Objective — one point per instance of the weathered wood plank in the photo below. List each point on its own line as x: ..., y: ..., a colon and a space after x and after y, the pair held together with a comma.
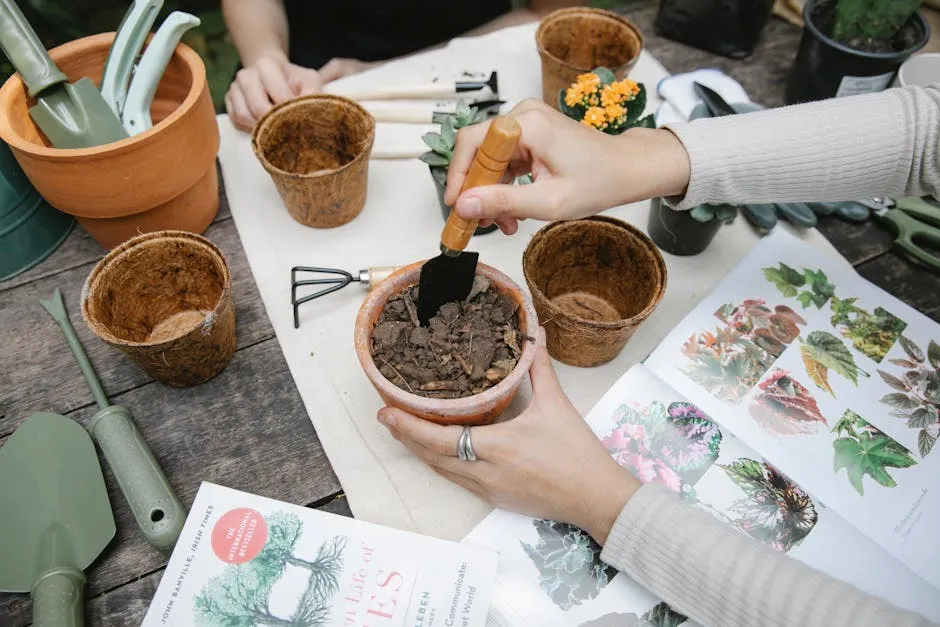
x: 79, y: 249
x: 918, y: 287
x: 857, y: 242
x: 246, y: 429
x: 37, y: 371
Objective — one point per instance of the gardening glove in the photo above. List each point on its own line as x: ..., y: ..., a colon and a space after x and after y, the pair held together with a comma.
x: 764, y: 217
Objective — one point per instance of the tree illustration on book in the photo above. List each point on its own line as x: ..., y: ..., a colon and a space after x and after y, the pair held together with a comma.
x: 862, y: 449
x: 569, y: 563
x: 784, y: 406
x: 917, y: 399
x: 240, y: 596
x: 771, y: 329
x: 774, y: 510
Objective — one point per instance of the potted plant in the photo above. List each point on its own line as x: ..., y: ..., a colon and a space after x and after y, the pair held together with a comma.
x: 730, y: 28
x: 597, y: 99
x: 853, y: 46
x: 441, y: 146
x: 687, y: 232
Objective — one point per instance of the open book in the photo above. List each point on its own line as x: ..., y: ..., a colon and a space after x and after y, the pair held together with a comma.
x: 801, y: 408
x: 243, y: 559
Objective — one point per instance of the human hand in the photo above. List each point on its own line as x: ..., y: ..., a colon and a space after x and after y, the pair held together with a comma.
x: 576, y: 170
x: 271, y: 80
x: 545, y: 463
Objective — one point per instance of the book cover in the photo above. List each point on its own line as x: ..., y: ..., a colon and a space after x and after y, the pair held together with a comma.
x: 243, y: 559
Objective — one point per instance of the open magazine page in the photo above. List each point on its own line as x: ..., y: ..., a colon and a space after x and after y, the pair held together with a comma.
x: 831, y: 378
x: 243, y: 559
x: 551, y: 574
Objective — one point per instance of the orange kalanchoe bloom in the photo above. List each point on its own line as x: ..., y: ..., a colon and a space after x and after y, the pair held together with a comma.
x: 596, y: 117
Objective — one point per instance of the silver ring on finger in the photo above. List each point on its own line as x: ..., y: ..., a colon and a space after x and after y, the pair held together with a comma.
x: 465, y: 450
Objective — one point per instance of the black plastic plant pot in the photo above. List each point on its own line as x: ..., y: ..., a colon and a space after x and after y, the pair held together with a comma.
x: 825, y: 68
x: 440, y: 182
x: 677, y: 232
x: 730, y: 28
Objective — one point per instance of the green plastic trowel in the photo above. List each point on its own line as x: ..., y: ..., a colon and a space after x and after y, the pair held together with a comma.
x: 70, y: 115
x: 157, y: 510
x: 56, y: 516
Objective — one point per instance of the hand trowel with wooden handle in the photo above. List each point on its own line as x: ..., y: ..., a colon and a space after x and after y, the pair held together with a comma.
x: 56, y: 516
x: 449, y: 276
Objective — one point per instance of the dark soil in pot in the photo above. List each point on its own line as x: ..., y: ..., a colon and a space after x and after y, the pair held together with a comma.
x: 825, y: 68
x: 466, y: 348
x: 440, y: 182
x: 677, y: 232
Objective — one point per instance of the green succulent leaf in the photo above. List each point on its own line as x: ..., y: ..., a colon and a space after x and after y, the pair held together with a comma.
x: 448, y: 132
x: 436, y: 143
x: 605, y: 75
x: 829, y: 351
x: 913, y: 350
x: 464, y: 111
x: 435, y: 160
x: 702, y: 213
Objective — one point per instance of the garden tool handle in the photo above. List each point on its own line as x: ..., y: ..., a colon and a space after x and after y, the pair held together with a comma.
x: 489, y: 165
x: 910, y: 232
x: 375, y: 275
x: 408, y: 92
x: 58, y: 598
x: 128, y: 40
x: 157, y: 510
x: 22, y: 47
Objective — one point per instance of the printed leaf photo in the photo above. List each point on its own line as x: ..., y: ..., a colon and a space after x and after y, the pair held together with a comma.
x: 771, y: 329
x: 661, y: 615
x: 809, y: 287
x: 871, y: 334
x: 862, y: 449
x: 821, y: 352
x: 569, y: 564
x: 784, y: 406
x: 917, y: 397
x: 671, y: 445
x: 775, y: 510
x: 725, y: 363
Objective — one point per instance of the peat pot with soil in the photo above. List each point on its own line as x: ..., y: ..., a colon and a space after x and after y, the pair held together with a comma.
x: 465, y: 366
x: 853, y: 46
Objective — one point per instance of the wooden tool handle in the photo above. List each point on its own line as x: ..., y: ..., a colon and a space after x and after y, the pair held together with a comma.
x: 488, y: 168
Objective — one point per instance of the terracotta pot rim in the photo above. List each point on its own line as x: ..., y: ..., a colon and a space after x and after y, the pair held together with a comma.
x: 15, y: 83
x: 557, y: 312
x: 443, y: 407
x: 303, y: 101
x: 559, y: 14
x: 116, y: 254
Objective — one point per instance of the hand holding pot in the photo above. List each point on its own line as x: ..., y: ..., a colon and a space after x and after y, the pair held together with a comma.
x: 269, y: 81
x: 546, y: 462
x: 576, y: 170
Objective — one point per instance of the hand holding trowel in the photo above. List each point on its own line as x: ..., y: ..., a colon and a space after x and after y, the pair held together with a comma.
x: 449, y: 276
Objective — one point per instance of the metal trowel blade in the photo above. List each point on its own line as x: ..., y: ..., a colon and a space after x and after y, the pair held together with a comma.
x: 444, y: 279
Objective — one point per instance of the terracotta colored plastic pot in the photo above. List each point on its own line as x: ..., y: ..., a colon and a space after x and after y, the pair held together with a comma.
x: 164, y: 299
x: 316, y: 149
x: 479, y: 409
x: 576, y: 40
x: 163, y: 178
x: 594, y: 282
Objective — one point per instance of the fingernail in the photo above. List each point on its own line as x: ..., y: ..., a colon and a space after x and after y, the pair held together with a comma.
x: 540, y: 337
x: 470, y: 207
x: 386, y: 417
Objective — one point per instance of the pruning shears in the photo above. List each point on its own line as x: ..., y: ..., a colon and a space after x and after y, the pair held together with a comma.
x: 915, y: 223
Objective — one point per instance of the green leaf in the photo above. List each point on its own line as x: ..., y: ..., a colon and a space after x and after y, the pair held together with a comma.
x: 925, y: 442
x: 806, y: 299
x: 605, y: 75
x: 893, y: 381
x: 435, y: 159
x: 636, y: 106
x: 648, y: 121
x: 829, y: 351
x: 870, y: 455
x: 563, y: 106
x: 933, y: 354
x: 913, y: 351
x: 436, y: 143
x: 702, y: 213
x: 921, y: 419
x: 448, y: 132
x: 899, y: 401
x: 464, y: 111
x: 779, y: 279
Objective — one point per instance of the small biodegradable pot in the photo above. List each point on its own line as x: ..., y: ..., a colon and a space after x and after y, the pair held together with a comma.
x: 165, y: 300
x: 824, y: 68
x: 479, y: 409
x: 593, y: 281
x: 163, y: 178
x: 576, y: 40
x: 316, y: 149
x: 440, y: 183
x: 677, y: 232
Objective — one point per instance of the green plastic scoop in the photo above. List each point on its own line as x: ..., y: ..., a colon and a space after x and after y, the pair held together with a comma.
x: 157, y: 510
x: 71, y: 115
x: 56, y: 516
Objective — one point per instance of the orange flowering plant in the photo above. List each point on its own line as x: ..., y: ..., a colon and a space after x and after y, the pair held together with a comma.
x: 597, y: 99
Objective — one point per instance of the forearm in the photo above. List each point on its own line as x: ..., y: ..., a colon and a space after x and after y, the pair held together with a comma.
x: 258, y: 28
x: 834, y: 150
x: 719, y: 577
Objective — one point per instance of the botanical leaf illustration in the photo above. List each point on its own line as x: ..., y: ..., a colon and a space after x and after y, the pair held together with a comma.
x: 863, y: 450
x: 775, y: 510
x: 818, y: 290
x: 816, y: 371
x: 661, y: 615
x: 785, y: 406
x: 904, y: 363
x: 933, y: 354
x: 893, y: 381
x: 771, y: 329
x: 785, y: 278
x: 829, y: 351
x: 922, y: 418
x: 912, y: 350
x: 725, y: 363
x: 569, y: 564
x: 925, y: 442
x: 873, y: 334
x: 917, y: 400
x: 901, y: 401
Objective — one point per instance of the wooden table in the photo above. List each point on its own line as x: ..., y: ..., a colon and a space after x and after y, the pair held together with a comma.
x: 247, y: 428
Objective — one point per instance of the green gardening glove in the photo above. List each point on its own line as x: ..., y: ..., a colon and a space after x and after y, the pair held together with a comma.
x: 803, y: 215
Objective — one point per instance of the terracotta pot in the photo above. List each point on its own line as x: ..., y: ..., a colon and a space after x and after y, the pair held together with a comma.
x: 165, y: 300
x: 576, y: 40
x: 593, y: 281
x: 478, y: 409
x: 316, y: 149
x: 163, y: 178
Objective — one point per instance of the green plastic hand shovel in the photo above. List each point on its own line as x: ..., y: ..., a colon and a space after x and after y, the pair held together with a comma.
x: 157, y: 510
x: 56, y: 516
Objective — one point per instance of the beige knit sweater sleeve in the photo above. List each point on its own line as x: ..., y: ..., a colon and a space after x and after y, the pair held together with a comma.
x: 883, y: 144
x: 719, y: 577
